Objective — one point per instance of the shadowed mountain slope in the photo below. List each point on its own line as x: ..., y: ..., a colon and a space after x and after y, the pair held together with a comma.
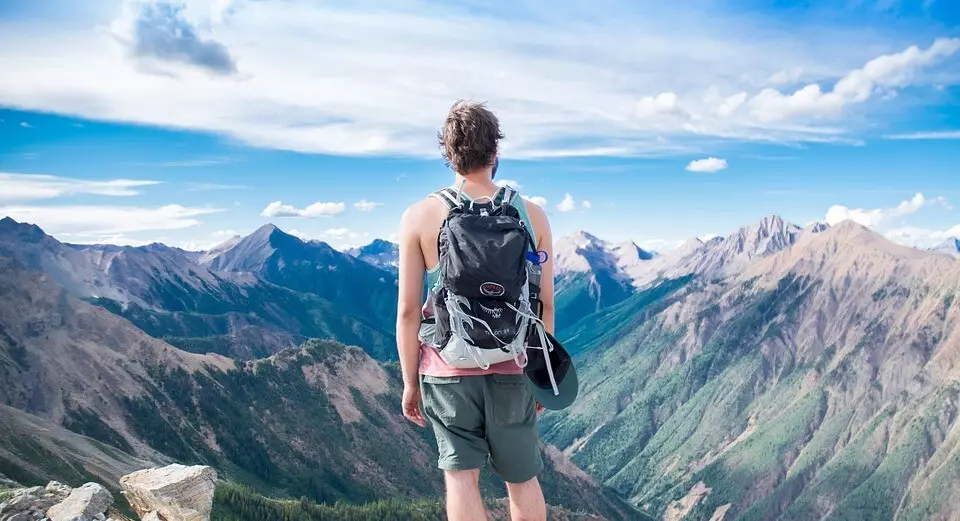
x: 171, y: 297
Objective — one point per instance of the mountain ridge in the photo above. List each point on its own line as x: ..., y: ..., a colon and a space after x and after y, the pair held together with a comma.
x: 759, y: 388
x: 170, y: 296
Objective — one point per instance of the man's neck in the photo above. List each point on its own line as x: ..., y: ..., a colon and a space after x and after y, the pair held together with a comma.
x: 478, y: 183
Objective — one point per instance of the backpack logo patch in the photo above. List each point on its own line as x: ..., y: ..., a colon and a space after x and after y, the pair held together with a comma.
x: 493, y: 312
x: 492, y: 289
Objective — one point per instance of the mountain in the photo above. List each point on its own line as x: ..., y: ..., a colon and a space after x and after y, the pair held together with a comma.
x: 380, y: 253
x: 950, y: 247
x: 204, y: 257
x: 356, y: 287
x: 318, y: 421
x: 819, y: 381
x: 723, y: 256
x: 169, y: 296
x: 35, y: 450
x: 591, y: 274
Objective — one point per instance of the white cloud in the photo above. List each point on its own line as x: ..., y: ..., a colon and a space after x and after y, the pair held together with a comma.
x: 946, y: 134
x: 278, y: 209
x: 389, y: 93
x: 224, y: 233
x: 880, y: 217
x: 32, y: 187
x: 298, y: 234
x: 784, y: 77
x: 342, y: 238
x: 99, y: 221
x: 708, y: 165
x: 922, y: 237
x: 731, y: 104
x: 366, y: 206
x: 884, y: 74
x: 665, y: 103
x: 24, y: 124
x: 537, y: 200
x: 569, y: 204
x: 336, y: 232
x: 511, y: 183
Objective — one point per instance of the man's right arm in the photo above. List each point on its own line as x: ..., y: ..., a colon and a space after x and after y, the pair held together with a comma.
x: 409, y: 302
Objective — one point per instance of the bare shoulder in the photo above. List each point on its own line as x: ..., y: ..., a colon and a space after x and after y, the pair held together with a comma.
x: 538, y: 217
x: 421, y: 211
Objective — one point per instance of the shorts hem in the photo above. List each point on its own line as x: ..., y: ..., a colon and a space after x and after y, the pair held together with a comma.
x: 519, y: 478
x: 459, y: 465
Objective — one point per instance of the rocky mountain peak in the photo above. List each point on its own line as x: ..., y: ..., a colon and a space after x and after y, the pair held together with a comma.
x: 380, y: 253
x: 21, y: 231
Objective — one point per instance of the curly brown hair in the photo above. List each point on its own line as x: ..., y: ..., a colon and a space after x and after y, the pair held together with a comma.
x: 470, y: 137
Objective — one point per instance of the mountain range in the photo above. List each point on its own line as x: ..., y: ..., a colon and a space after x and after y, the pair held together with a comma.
x: 247, y: 298
x: 318, y: 421
x: 777, y: 373
x: 592, y: 275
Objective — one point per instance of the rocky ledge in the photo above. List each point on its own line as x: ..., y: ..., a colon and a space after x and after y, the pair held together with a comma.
x: 172, y: 493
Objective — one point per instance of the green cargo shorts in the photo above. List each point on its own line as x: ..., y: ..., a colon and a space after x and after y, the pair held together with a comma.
x: 477, y: 419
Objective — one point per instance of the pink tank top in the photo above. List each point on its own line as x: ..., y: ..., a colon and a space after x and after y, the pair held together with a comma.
x: 432, y: 364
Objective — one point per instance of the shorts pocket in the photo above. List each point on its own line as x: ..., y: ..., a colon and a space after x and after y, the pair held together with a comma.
x: 512, y: 401
x: 442, y: 398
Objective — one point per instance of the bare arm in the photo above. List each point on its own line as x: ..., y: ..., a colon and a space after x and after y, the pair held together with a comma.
x: 408, y: 313
x: 545, y: 243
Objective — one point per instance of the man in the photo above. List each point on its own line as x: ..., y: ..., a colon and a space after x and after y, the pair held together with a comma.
x: 478, y: 415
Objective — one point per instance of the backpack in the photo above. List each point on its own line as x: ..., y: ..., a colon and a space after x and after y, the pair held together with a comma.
x: 489, y: 283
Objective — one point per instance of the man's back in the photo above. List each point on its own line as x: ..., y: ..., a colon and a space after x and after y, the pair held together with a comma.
x: 483, y: 415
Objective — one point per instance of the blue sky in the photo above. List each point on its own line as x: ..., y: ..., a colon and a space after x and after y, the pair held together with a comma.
x: 132, y: 121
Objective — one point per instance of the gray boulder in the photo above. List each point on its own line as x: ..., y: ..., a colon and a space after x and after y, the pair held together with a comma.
x: 31, y: 503
x: 87, y: 503
x: 174, y: 492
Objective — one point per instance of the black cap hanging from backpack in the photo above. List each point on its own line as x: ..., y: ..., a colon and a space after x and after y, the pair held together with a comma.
x: 551, y: 375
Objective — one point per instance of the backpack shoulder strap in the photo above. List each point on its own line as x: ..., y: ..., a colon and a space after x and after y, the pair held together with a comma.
x: 504, y: 196
x: 448, y: 196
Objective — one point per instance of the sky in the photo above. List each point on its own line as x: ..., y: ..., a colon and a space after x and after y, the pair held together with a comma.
x: 135, y: 121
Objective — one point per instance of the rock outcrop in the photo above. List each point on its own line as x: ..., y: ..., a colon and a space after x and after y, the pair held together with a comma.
x: 58, y: 502
x: 26, y: 504
x: 175, y: 492
x: 84, y: 503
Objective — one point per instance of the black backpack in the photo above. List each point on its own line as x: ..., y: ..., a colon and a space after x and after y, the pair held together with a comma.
x: 489, y: 282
